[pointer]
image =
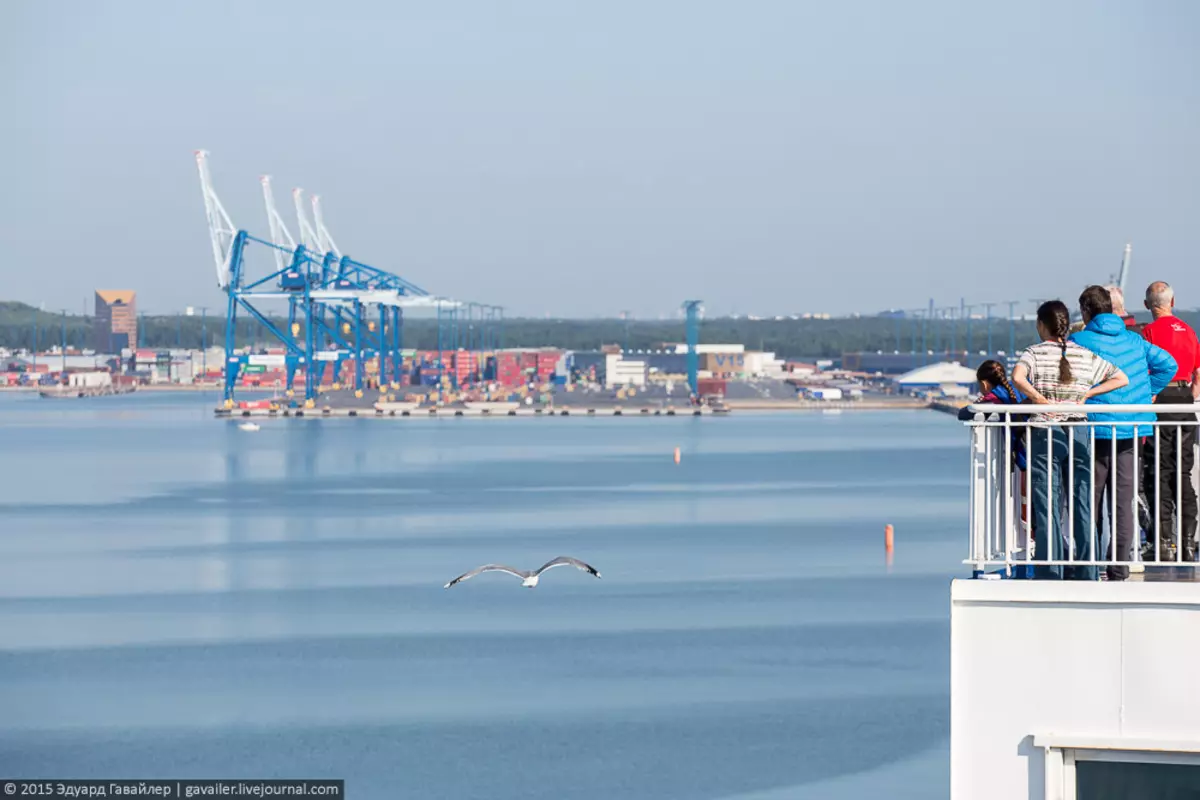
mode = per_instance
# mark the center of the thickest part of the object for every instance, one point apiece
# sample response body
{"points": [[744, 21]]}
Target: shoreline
{"points": [[163, 387], [835, 405], [743, 406]]}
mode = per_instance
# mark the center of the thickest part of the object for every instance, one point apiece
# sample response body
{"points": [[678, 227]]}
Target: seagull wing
{"points": [[487, 568], [567, 561]]}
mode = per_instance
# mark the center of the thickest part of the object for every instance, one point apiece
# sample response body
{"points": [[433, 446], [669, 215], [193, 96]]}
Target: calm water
{"points": [[179, 598]]}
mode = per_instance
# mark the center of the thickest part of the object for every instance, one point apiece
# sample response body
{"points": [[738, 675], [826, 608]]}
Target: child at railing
{"points": [[993, 380], [1053, 372]]}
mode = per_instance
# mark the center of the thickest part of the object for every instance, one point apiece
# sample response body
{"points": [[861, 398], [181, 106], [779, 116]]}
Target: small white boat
{"points": [[249, 426]]}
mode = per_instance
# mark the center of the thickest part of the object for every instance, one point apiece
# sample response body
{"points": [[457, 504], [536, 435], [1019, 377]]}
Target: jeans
{"points": [[1176, 456], [1117, 475], [1054, 453]]}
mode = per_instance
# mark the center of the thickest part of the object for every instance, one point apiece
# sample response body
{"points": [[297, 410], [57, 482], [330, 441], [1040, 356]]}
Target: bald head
{"points": [[1160, 298]]}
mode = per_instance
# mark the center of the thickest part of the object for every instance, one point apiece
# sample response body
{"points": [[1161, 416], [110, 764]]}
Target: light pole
{"points": [[925, 338], [953, 330], [1012, 328], [204, 341], [64, 342], [967, 345], [964, 313], [988, 306]]}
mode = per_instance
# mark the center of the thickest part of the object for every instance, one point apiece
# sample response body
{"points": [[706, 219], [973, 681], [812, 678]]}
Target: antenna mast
{"points": [[220, 227]]}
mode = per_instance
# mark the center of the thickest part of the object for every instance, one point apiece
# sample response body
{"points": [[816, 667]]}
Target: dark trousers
{"points": [[1171, 462], [1117, 475], [1054, 454]]}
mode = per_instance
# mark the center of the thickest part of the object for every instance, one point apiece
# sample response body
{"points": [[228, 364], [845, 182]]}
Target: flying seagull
{"points": [[528, 579]]}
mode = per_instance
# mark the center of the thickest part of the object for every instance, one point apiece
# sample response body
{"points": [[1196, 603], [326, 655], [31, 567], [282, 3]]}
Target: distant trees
{"points": [[788, 338]]}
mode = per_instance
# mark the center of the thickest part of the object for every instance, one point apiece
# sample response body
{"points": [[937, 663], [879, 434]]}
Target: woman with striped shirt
{"points": [[1056, 372]]}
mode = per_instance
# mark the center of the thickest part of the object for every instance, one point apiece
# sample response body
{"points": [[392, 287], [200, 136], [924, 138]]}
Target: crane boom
{"points": [[281, 237], [1123, 275], [308, 236], [328, 245], [220, 227]]}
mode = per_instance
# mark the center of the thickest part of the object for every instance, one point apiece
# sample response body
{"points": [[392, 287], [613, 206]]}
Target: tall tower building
{"points": [[115, 323]]}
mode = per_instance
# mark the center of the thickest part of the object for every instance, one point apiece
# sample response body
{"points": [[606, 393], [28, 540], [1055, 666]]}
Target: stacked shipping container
{"points": [[509, 369]]}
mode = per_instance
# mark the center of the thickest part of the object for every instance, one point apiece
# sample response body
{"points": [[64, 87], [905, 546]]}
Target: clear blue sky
{"points": [[770, 156]]}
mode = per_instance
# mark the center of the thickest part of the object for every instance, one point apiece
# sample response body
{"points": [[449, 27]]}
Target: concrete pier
{"points": [[435, 412]]}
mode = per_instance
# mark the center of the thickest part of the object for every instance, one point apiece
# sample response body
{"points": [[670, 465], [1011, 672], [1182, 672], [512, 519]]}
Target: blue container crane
{"points": [[693, 307]]}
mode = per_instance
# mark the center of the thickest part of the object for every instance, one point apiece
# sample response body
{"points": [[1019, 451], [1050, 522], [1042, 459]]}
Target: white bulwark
{"points": [[1082, 689], [1046, 675]]}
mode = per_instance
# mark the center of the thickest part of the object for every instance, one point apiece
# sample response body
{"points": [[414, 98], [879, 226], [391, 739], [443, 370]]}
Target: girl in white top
{"points": [[1056, 371]]}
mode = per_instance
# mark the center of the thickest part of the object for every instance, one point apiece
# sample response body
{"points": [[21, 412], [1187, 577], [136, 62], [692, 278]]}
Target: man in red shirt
{"points": [[1177, 338]]}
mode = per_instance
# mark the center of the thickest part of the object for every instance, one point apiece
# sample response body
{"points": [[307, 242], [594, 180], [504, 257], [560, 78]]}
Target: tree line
{"points": [[787, 338]]}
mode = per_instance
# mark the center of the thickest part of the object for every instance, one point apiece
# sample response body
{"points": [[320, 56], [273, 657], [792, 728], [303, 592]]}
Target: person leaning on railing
{"points": [[1176, 442], [1057, 371], [1149, 369], [997, 390]]}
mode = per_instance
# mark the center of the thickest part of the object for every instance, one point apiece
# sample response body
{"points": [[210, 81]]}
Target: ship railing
{"points": [[1063, 463]]}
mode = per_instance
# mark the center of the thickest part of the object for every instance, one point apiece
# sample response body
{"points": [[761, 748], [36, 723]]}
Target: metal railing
{"points": [[1044, 495]]}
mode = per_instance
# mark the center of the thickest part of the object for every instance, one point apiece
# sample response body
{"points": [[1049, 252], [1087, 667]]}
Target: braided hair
{"points": [[994, 373], [1056, 319]]}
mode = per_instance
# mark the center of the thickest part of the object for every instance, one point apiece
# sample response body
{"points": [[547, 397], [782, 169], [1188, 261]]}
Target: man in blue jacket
{"points": [[1150, 369]]}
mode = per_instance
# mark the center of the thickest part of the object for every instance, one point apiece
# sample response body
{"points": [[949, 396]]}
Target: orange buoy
{"points": [[676, 455], [889, 537]]}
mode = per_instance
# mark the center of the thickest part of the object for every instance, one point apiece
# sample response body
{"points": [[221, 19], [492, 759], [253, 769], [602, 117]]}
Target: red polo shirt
{"points": [[1177, 338]]}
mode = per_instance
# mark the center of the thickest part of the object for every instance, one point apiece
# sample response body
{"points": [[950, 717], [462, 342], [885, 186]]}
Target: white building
{"points": [[621, 371], [947, 377]]}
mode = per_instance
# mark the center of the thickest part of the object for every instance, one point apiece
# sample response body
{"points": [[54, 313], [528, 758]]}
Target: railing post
{"points": [[978, 496]]}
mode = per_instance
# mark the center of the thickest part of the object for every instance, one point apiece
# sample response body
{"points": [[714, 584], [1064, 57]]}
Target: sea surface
{"points": [[183, 599]]}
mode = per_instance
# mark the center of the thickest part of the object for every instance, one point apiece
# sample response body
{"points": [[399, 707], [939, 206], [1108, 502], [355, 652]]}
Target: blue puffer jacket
{"points": [[1148, 367]]}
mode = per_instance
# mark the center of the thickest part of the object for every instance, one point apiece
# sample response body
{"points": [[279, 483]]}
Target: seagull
{"points": [[528, 579], [248, 426]]}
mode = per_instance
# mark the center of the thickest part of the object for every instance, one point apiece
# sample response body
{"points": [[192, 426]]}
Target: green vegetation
{"points": [[788, 338]]}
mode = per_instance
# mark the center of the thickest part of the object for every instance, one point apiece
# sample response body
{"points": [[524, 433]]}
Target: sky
{"points": [[583, 159]]}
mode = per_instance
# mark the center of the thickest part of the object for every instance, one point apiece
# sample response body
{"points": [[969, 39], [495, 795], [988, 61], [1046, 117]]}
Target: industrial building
{"points": [[115, 323], [895, 363], [947, 378]]}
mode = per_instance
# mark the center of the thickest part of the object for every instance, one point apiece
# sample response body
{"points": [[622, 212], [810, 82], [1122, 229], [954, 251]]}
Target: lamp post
{"points": [[64, 342], [988, 307], [1012, 328], [203, 341]]}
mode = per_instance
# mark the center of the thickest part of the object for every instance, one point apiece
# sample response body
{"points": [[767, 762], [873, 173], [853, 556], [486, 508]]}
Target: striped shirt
{"points": [[1087, 370]]}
